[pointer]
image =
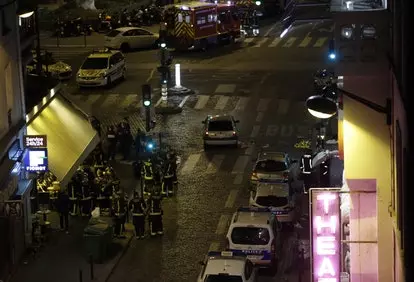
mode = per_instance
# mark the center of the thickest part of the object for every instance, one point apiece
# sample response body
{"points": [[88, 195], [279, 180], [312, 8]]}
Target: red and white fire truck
{"points": [[197, 25]]}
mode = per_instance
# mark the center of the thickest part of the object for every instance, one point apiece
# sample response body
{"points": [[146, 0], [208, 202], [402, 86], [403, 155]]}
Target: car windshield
{"points": [[271, 201], [250, 236], [220, 125], [223, 278], [270, 166], [113, 33], [95, 64]]}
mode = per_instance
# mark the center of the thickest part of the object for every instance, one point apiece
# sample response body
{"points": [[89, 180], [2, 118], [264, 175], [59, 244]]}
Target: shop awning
{"points": [[70, 137]]}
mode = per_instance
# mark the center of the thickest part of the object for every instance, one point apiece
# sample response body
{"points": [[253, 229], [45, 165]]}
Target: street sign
{"points": [[35, 141]]}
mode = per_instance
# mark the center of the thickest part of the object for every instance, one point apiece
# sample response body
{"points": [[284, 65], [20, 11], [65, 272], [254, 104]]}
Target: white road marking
{"points": [[272, 130], [249, 39], [183, 101], [261, 42], [158, 102], [129, 99], [286, 131], [91, 99], [320, 42], [263, 105], [222, 225], [240, 164], [231, 199], [190, 163], [215, 163], [241, 104], [289, 42], [214, 246], [255, 131], [275, 42], [238, 179], [201, 102], [305, 42], [259, 117], [283, 106], [271, 29], [221, 103], [225, 88], [250, 150]]}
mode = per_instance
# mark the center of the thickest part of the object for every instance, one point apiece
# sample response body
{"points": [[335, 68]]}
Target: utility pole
{"points": [[165, 62], [146, 101]]}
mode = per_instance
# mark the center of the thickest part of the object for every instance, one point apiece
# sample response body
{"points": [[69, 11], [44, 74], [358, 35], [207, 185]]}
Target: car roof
{"points": [[194, 5], [228, 265], [274, 189], [220, 118], [251, 218], [102, 53], [127, 28], [269, 155]]}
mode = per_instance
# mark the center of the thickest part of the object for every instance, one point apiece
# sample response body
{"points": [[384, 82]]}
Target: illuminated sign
{"points": [[326, 235], [36, 160], [35, 141]]}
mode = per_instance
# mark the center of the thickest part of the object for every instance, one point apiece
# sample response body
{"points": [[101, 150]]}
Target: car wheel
{"points": [[123, 74], [204, 45], [109, 82], [125, 47]]}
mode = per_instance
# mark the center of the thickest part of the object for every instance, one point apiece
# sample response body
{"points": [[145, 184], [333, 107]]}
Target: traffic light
{"points": [[332, 52], [146, 95]]}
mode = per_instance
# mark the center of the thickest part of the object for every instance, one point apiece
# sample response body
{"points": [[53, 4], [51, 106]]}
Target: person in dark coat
{"points": [[96, 124], [112, 141], [63, 206]]}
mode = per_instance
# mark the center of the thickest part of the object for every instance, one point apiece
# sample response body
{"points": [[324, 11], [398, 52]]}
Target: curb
{"points": [[119, 258], [181, 91], [168, 110]]}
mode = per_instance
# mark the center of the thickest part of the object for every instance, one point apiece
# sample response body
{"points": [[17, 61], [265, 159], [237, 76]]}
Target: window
{"points": [[141, 32], [223, 278], [180, 18], [250, 236], [201, 20], [113, 33], [220, 125], [211, 18], [270, 166], [95, 64], [187, 19], [272, 201]]}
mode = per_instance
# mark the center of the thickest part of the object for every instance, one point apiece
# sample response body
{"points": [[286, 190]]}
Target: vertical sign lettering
{"points": [[326, 237]]}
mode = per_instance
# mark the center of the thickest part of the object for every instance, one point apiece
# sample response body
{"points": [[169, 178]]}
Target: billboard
{"points": [[36, 160], [325, 234]]}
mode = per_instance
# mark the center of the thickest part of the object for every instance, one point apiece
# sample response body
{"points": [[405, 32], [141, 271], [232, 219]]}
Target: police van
{"points": [[227, 266], [255, 232]]}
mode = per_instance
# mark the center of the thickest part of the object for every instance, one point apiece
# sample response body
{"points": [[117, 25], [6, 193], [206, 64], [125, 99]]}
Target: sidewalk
{"points": [[62, 258]]}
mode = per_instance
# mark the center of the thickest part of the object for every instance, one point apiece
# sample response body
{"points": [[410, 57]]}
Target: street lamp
{"points": [[324, 107]]}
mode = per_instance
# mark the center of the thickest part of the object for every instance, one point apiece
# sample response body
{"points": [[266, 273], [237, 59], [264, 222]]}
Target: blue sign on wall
{"points": [[36, 160]]}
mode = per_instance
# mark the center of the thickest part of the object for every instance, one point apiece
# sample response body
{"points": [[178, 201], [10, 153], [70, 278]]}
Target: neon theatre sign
{"points": [[326, 235]]}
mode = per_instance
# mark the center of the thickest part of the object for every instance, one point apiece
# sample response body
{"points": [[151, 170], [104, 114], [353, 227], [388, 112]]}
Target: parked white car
{"points": [[128, 38]]}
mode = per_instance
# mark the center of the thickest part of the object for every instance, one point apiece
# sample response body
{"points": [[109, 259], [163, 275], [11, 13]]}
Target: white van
{"points": [[255, 232]]}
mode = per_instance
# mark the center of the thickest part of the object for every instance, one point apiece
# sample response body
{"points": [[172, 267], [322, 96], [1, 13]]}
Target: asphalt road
{"points": [[264, 84]]}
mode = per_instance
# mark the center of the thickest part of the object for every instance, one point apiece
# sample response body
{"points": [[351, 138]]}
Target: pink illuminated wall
{"points": [[326, 235]]}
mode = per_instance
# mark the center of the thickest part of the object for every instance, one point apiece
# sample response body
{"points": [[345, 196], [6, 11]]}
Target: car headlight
{"points": [[102, 74]]}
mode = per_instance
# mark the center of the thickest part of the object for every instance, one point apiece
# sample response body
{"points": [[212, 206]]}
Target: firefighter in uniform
{"points": [[167, 181], [306, 170], [138, 208], [155, 214], [173, 162], [118, 212], [148, 175]]}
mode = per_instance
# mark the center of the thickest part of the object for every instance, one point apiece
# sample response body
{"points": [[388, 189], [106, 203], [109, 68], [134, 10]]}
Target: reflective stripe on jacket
{"points": [[138, 214]]}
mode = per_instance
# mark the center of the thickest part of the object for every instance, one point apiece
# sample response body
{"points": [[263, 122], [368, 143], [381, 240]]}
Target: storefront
{"points": [[70, 136]]}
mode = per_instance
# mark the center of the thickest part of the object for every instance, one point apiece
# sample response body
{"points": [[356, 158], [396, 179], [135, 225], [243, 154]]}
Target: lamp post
{"points": [[325, 107]]}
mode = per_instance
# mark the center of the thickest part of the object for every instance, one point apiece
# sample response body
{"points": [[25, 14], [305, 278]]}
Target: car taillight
{"points": [[286, 175], [227, 246], [234, 133], [254, 174], [206, 133]]}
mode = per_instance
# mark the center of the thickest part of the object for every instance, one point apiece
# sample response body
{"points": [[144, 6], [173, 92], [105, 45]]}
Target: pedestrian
{"points": [[155, 213], [63, 206], [118, 212], [138, 208], [148, 174], [112, 141], [139, 140], [167, 181], [96, 124]]}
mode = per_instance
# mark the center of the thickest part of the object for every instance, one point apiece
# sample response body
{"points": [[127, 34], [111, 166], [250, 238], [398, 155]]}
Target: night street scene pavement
{"points": [[263, 82]]}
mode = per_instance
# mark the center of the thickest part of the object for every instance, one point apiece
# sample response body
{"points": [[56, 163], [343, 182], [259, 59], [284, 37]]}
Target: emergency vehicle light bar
{"points": [[225, 254], [253, 209]]}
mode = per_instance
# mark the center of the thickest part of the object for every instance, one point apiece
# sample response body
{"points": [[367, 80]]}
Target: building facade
{"points": [[374, 142]]}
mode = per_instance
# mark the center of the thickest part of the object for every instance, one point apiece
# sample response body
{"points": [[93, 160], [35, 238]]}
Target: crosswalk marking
{"points": [[238, 179], [283, 106], [201, 102], [130, 99], [261, 42], [320, 42], [263, 105], [215, 164], [241, 104], [221, 103], [225, 88], [259, 117], [275, 42], [305, 42], [190, 163], [92, 99], [255, 131], [109, 101], [231, 199], [240, 164], [272, 130], [289, 42], [222, 225], [249, 39], [249, 151], [214, 247]]}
